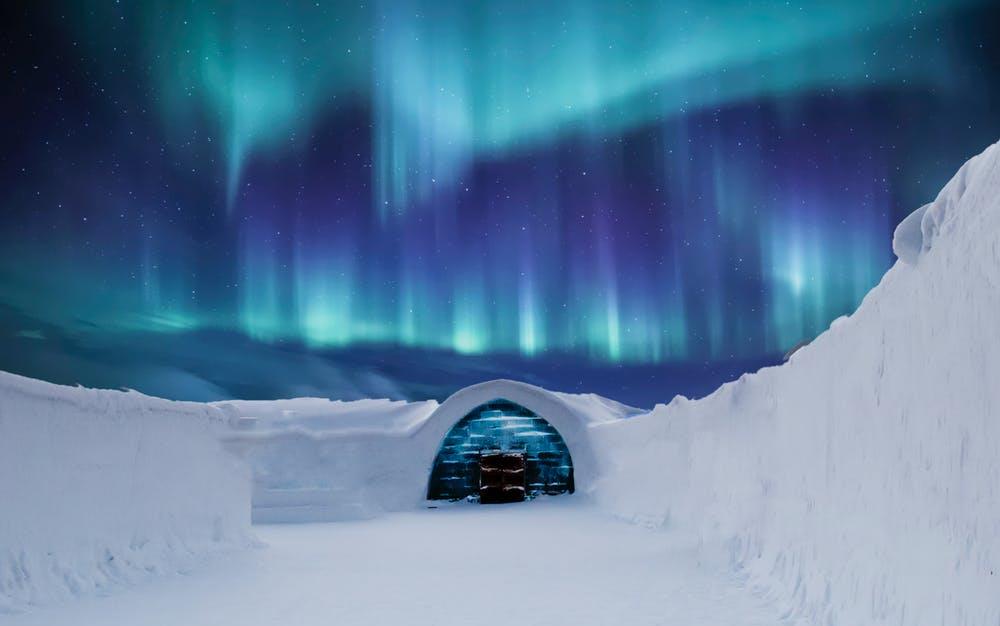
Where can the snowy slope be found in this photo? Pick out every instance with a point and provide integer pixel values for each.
(101, 487)
(596, 409)
(860, 482)
(857, 484)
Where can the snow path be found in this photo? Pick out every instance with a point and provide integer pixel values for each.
(545, 563)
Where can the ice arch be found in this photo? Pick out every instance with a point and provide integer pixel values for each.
(569, 415)
(501, 425)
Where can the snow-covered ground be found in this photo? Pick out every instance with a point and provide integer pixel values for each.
(548, 562)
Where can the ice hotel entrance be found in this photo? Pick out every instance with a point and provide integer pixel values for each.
(501, 452)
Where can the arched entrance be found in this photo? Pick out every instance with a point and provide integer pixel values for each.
(500, 445)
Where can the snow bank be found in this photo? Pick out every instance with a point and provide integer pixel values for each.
(317, 460)
(101, 487)
(860, 482)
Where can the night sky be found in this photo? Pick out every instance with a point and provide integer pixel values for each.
(265, 199)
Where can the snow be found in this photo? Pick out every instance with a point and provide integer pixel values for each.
(321, 415)
(916, 234)
(908, 238)
(537, 563)
(860, 482)
(100, 488)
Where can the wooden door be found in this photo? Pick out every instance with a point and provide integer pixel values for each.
(501, 477)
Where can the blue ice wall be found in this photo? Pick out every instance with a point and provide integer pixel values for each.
(501, 425)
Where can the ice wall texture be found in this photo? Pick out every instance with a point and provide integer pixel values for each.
(859, 483)
(501, 425)
(102, 487)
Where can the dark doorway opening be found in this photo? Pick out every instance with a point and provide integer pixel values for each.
(501, 477)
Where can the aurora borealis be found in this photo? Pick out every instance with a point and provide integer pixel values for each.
(523, 186)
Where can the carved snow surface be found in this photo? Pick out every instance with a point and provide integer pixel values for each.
(859, 483)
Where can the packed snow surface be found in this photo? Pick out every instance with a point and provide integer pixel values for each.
(538, 563)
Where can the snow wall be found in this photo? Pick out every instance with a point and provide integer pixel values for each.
(315, 459)
(101, 487)
(860, 482)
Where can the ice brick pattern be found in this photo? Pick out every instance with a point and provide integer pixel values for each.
(501, 425)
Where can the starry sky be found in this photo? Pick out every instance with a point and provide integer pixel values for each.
(397, 198)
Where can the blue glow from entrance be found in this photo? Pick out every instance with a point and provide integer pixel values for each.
(501, 425)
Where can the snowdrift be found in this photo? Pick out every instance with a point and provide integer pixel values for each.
(102, 487)
(860, 482)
